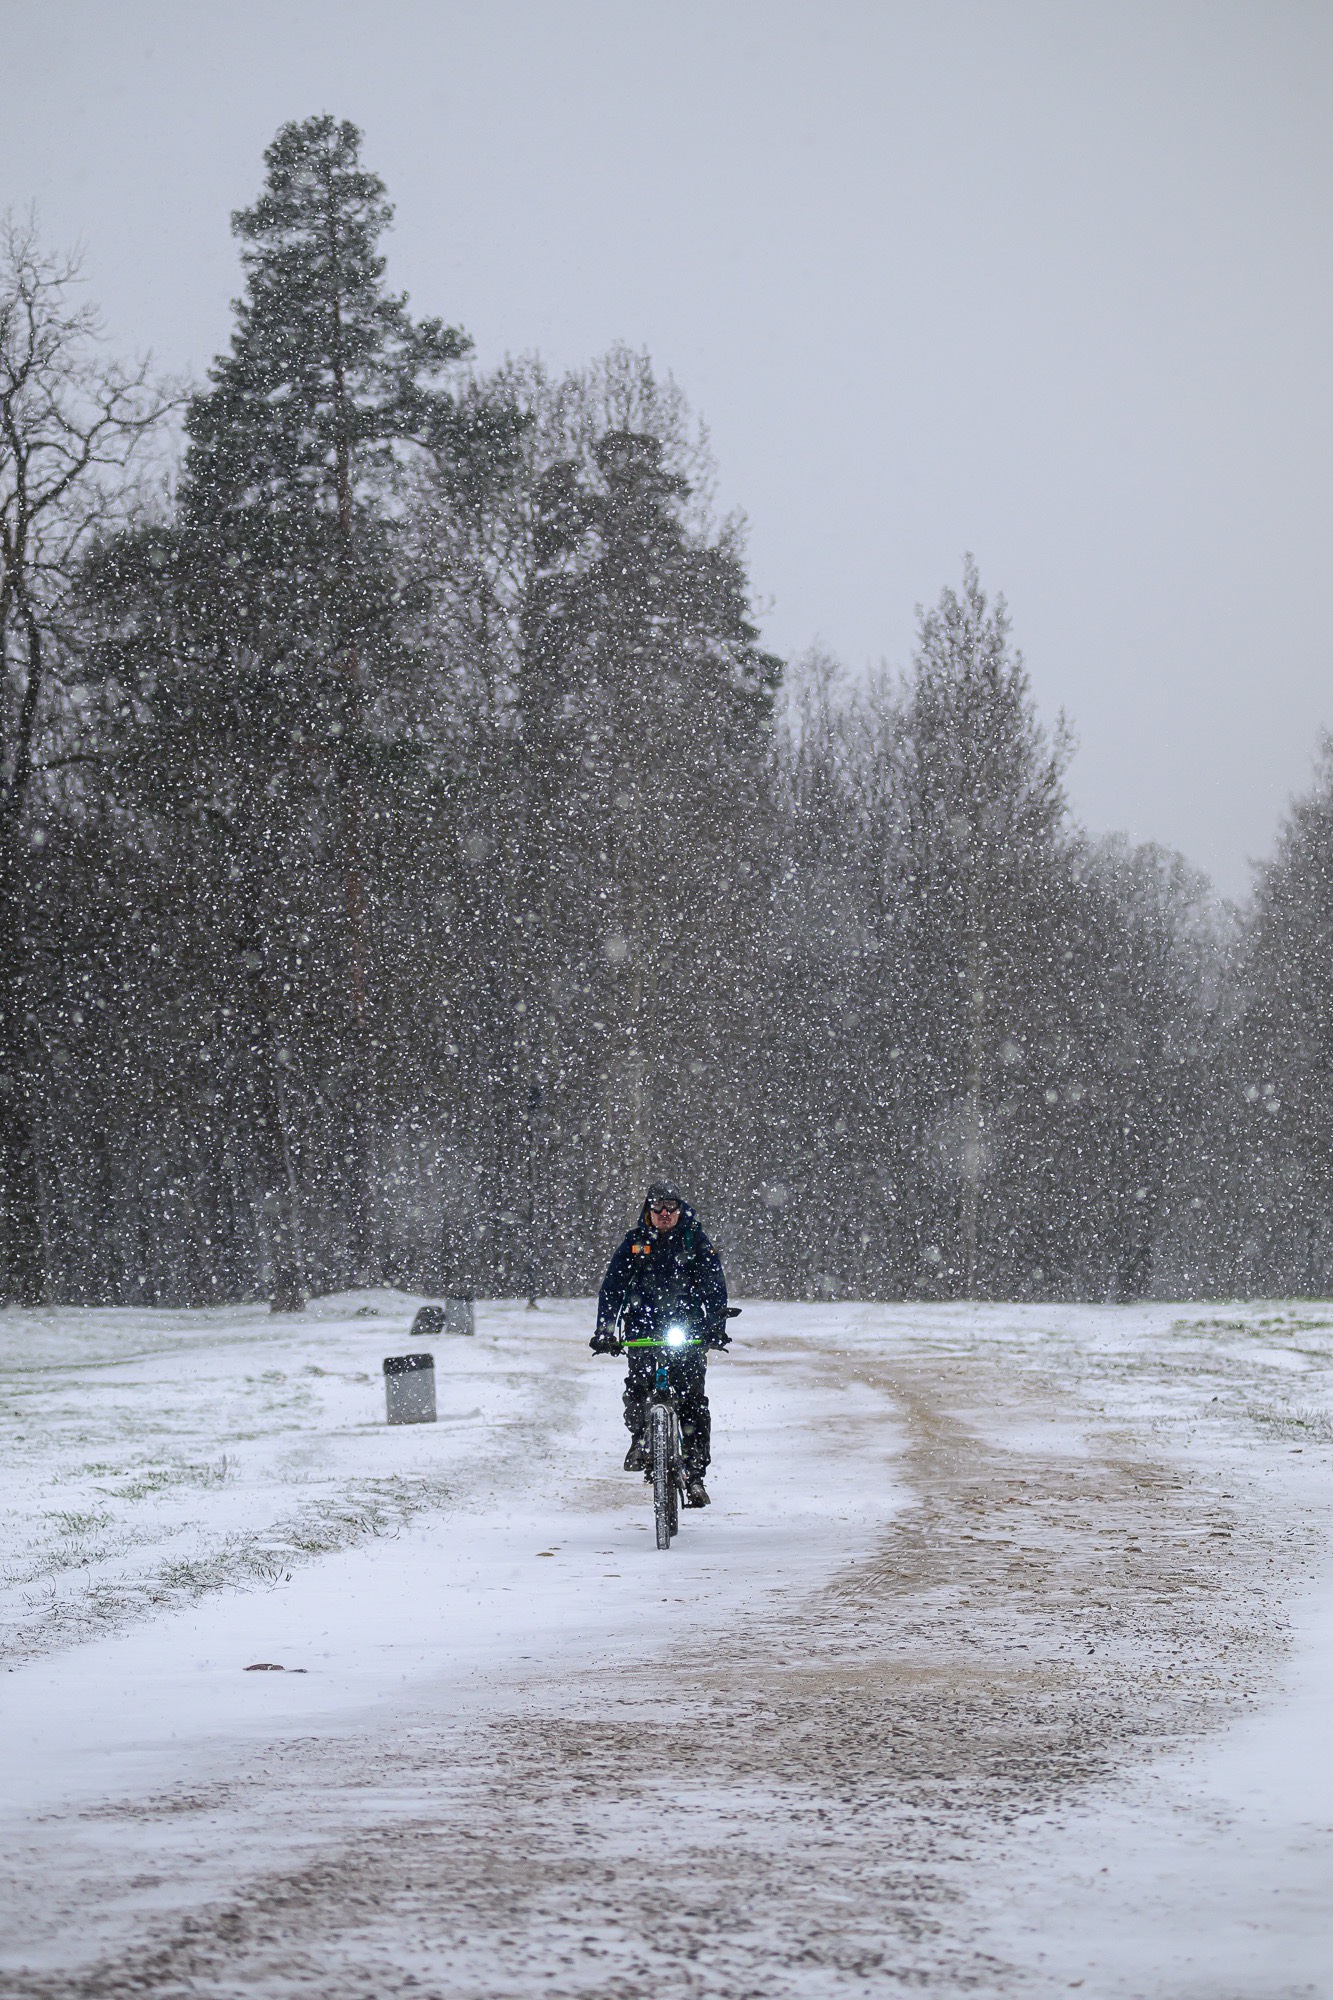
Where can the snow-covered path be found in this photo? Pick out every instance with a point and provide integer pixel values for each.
(978, 1676)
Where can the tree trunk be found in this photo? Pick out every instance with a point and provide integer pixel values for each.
(279, 1195)
(363, 1238)
(22, 1265)
(22, 1262)
(366, 1247)
(972, 1122)
(278, 1191)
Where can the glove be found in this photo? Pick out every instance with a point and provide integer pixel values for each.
(604, 1341)
(717, 1337)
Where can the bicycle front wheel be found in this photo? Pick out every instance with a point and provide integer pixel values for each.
(664, 1477)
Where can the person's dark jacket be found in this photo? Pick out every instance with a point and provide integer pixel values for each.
(660, 1276)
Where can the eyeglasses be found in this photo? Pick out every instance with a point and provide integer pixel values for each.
(672, 1208)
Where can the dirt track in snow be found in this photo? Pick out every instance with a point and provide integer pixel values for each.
(836, 1796)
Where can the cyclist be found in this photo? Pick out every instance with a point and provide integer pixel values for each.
(665, 1273)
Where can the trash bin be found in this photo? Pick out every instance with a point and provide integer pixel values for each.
(409, 1388)
(450, 1316)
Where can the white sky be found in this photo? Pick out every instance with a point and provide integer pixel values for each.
(1050, 282)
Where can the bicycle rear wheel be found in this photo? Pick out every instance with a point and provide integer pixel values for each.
(665, 1496)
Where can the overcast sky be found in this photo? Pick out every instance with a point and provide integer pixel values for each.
(1053, 283)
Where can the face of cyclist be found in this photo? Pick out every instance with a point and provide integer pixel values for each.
(665, 1219)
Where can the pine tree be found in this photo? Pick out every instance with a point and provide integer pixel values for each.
(290, 452)
(613, 737)
(327, 370)
(986, 838)
(263, 629)
(674, 673)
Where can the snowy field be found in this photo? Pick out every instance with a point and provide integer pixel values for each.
(1002, 1664)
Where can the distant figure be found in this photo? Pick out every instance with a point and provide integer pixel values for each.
(665, 1280)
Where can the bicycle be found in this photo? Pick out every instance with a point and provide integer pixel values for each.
(666, 1458)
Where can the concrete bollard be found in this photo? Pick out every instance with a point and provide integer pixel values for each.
(450, 1316)
(409, 1388)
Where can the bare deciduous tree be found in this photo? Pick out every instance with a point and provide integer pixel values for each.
(74, 425)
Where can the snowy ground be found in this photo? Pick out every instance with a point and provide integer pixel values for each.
(1001, 1664)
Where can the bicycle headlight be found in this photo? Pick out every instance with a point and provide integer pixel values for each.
(677, 1336)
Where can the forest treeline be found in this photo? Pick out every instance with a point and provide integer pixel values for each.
(407, 846)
